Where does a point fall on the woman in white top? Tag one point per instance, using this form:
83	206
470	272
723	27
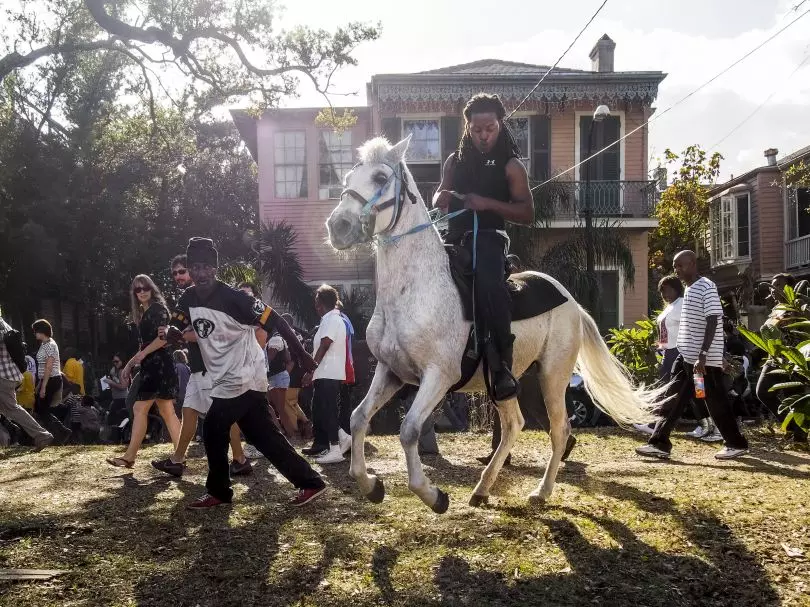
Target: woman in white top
49	381
669	321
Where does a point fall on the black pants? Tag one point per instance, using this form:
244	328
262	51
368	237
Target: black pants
532	407
345	408
682	389
492	298
43	407
325	411
251	412
772	401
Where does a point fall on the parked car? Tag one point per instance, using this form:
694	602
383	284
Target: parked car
581	411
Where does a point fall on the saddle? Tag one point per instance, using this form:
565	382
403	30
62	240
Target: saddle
530	295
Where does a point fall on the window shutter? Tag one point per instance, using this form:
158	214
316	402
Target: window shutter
743	225
610	168
541	148
588	167
392	129
451	134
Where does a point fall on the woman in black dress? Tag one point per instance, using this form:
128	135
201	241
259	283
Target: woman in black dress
158	379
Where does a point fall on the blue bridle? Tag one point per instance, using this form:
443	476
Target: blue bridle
375	204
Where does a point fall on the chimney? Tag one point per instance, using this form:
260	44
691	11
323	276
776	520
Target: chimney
602	55
770	154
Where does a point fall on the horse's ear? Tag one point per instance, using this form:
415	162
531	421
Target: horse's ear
397	153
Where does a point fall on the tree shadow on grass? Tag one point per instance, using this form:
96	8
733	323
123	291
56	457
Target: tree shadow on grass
633	572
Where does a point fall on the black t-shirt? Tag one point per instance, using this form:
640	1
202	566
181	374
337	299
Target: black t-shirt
484	175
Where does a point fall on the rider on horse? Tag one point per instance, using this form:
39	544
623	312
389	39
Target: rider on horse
485	175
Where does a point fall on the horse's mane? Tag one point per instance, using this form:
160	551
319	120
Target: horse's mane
374	150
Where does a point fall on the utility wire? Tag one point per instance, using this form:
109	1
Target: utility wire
761	105
677	103
531	92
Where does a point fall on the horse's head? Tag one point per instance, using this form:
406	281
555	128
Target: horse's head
373	194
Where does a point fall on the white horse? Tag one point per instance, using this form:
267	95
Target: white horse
418	332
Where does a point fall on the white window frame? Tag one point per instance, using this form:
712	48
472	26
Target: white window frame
416	117
578	153
718	243
277	164
333	192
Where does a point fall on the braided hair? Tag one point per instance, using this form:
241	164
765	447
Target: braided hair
506	147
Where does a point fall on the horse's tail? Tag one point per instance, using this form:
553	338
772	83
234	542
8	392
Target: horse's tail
608	382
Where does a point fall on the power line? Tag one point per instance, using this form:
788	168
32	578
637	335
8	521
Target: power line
601	6
761	105
677	103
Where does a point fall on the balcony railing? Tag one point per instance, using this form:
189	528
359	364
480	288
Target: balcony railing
797	252
567	199
606	199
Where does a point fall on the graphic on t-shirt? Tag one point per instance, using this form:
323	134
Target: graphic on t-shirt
258	307
203	327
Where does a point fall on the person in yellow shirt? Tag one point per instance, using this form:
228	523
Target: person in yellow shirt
25	392
73	369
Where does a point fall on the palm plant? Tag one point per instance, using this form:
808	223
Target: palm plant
278	266
566	260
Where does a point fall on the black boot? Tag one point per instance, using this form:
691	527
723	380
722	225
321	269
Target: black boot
504	384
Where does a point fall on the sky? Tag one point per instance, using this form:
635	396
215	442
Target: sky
689	40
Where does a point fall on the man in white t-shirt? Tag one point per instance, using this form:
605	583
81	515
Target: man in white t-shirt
700	346
329	346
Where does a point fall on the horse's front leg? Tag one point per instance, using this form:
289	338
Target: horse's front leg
432	387
511	425
383	386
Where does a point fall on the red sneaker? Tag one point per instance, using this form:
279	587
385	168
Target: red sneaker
204	502
305	496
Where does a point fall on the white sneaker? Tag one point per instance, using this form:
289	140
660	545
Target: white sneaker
730	453
704	428
645	428
713	437
252	452
333	456
652	451
345	441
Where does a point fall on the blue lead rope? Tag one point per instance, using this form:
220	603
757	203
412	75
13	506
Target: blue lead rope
422	226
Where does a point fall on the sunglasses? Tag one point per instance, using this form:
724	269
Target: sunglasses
116	362
179	272
137	290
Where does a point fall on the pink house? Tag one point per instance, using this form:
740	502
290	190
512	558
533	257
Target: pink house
301	165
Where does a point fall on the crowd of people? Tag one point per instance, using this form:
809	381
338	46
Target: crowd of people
180	374
698	349
269	378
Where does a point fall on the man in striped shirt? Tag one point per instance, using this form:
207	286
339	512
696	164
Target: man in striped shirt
700	343
10	378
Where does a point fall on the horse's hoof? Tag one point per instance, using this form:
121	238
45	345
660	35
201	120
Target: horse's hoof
478	500
535	499
377	492
442	503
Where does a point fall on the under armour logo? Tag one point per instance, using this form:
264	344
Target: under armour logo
490	163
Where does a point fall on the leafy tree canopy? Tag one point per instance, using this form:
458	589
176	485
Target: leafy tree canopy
683	212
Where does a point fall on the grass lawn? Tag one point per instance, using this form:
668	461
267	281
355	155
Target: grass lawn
619	530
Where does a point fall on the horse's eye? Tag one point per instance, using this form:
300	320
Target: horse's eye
380	179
